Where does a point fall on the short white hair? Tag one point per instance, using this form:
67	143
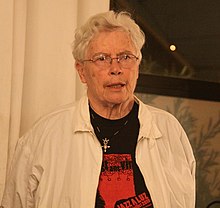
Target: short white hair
107	21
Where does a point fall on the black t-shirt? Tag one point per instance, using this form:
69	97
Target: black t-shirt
121	183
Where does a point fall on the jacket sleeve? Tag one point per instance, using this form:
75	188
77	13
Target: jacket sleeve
189	154
21	183
191	160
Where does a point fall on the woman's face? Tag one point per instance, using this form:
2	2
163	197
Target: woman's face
112	84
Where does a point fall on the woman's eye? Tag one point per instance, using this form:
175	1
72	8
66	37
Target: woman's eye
125	57
102	58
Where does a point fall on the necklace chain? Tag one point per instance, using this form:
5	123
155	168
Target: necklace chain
106	140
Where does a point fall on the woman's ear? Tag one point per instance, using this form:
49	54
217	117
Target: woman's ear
80	69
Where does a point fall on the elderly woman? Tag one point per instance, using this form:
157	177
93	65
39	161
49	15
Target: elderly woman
109	149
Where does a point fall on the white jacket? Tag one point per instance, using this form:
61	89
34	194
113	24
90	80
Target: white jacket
58	162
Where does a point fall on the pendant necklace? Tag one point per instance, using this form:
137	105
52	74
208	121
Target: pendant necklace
106	140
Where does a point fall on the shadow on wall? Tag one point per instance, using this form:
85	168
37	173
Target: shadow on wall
201	121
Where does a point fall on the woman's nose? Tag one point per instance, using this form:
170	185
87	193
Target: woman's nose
115	68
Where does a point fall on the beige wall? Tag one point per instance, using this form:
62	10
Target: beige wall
37	69
6	17
201	121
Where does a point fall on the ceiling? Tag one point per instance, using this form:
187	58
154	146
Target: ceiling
192	26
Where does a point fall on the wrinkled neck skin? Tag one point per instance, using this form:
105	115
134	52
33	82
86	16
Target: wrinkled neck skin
112	111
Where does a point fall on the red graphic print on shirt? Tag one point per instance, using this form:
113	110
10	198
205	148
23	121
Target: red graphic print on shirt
116	185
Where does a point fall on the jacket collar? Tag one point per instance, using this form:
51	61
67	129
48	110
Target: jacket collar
81	122
148	127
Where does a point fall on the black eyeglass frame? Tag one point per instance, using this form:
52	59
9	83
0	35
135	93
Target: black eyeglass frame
110	59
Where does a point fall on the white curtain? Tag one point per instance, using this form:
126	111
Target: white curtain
36	66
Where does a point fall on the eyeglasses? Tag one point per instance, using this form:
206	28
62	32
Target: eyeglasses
104	60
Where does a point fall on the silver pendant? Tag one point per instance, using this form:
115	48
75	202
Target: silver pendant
105	144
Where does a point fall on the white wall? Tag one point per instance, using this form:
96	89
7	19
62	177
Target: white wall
6	18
